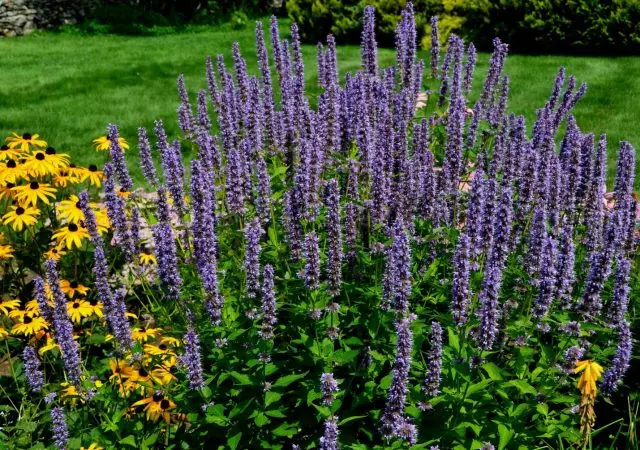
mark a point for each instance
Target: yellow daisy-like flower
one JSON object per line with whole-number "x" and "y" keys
{"x": 158, "y": 350}
{"x": 78, "y": 310}
{"x": 32, "y": 305}
{"x": 30, "y": 326}
{"x": 71, "y": 288}
{"x": 102, "y": 219}
{"x": 120, "y": 370}
{"x": 8, "y": 305}
{"x": 6, "y": 252}
{"x": 103, "y": 143}
{"x": 43, "y": 163}
{"x": 157, "y": 406}
{"x": 175, "y": 342}
{"x": 71, "y": 235}
{"x": 97, "y": 307}
{"x": 55, "y": 253}
{"x": 591, "y": 372}
{"x": 19, "y": 217}
{"x": 25, "y": 142}
{"x": 7, "y": 152}
{"x": 69, "y": 210}
{"x": 144, "y": 334}
{"x": 50, "y": 345}
{"x": 146, "y": 257}
{"x": 93, "y": 446}
{"x": 3, "y": 333}
{"x": 34, "y": 191}
{"x": 162, "y": 374}
{"x": 63, "y": 178}
{"x": 20, "y": 314}
{"x": 92, "y": 174}
{"x": 70, "y": 394}
{"x": 122, "y": 192}
{"x": 6, "y": 191}
{"x": 12, "y": 172}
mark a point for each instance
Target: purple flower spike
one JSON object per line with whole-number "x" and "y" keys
{"x": 192, "y": 359}
{"x": 311, "y": 271}
{"x": 59, "y": 428}
{"x": 33, "y": 368}
{"x": 548, "y": 274}
{"x": 369, "y": 46}
{"x": 435, "y": 46}
{"x": 117, "y": 156}
{"x": 329, "y": 388}
{"x": 252, "y": 235}
{"x": 620, "y": 301}
{"x": 460, "y": 294}
{"x": 269, "y": 318}
{"x": 469, "y": 68}
{"x": 146, "y": 161}
{"x": 434, "y": 362}
{"x": 329, "y": 440}
{"x": 612, "y": 377}
{"x": 334, "y": 233}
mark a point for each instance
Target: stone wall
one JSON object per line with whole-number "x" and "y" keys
{"x": 18, "y": 17}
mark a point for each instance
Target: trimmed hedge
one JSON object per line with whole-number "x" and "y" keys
{"x": 537, "y": 26}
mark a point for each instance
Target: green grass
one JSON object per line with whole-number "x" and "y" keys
{"x": 68, "y": 87}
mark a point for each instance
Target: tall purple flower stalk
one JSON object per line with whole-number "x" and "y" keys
{"x": 548, "y": 278}
{"x": 329, "y": 440}
{"x": 469, "y": 68}
{"x": 146, "y": 161}
{"x": 269, "y": 318}
{"x": 192, "y": 359}
{"x": 116, "y": 210}
{"x": 311, "y": 271}
{"x": 334, "y": 236}
{"x": 171, "y": 159}
{"x": 435, "y": 46}
{"x": 252, "y": 235}
{"x": 62, "y": 326}
{"x": 329, "y": 388}
{"x": 460, "y": 293}
{"x": 33, "y": 368}
{"x": 117, "y": 156}
{"x": 166, "y": 249}
{"x": 434, "y": 362}
{"x": 394, "y": 422}
{"x": 59, "y": 428}
{"x": 40, "y": 294}
{"x": 566, "y": 262}
{"x": 398, "y": 270}
{"x": 369, "y": 46}
{"x": 185, "y": 112}
{"x": 619, "y": 303}
{"x": 612, "y": 377}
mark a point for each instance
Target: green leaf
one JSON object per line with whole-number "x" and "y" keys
{"x": 350, "y": 419}
{"x": 286, "y": 430}
{"x": 288, "y": 379}
{"x": 523, "y": 386}
{"x": 492, "y": 370}
{"x": 234, "y": 440}
{"x": 271, "y": 397}
{"x": 505, "y": 435}
{"x": 275, "y": 413}
{"x": 480, "y": 386}
{"x": 241, "y": 378}
{"x": 129, "y": 440}
{"x": 261, "y": 420}
{"x": 454, "y": 342}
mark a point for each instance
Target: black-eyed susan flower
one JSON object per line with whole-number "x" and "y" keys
{"x": 78, "y": 310}
{"x": 102, "y": 219}
{"x": 162, "y": 374}
{"x": 20, "y": 216}
{"x": 156, "y": 406}
{"x": 92, "y": 174}
{"x": 103, "y": 143}
{"x": 59, "y": 160}
{"x": 30, "y": 326}
{"x": 69, "y": 210}
{"x": 63, "y": 178}
{"x": 3, "y": 333}
{"x": 146, "y": 257}
{"x": 49, "y": 345}
{"x": 6, "y": 191}
{"x": 25, "y": 142}
{"x": 12, "y": 172}
{"x": 70, "y": 394}
{"x": 93, "y": 446}
{"x": 144, "y": 334}
{"x": 122, "y": 192}
{"x": 174, "y": 342}
{"x": 97, "y": 307}
{"x": 55, "y": 253}
{"x": 158, "y": 350}
{"x": 71, "y": 235}
{"x": 7, "y": 306}
{"x": 120, "y": 369}
{"x": 6, "y": 252}
{"x": 20, "y": 314}
{"x": 72, "y": 288}
{"x": 7, "y": 152}
{"x": 40, "y": 164}
{"x": 29, "y": 194}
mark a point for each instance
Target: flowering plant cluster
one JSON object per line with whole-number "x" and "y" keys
{"x": 393, "y": 267}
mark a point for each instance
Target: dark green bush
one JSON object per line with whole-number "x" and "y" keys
{"x": 578, "y": 26}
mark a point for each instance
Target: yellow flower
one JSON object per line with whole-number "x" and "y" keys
{"x": 156, "y": 407}
{"x": 102, "y": 219}
{"x": 591, "y": 372}
{"x": 97, "y": 307}
{"x": 25, "y": 142}
{"x": 143, "y": 334}
{"x": 146, "y": 257}
{"x": 120, "y": 370}
{"x": 20, "y": 314}
{"x": 158, "y": 350}
{"x": 93, "y": 446}
{"x": 70, "y": 394}
{"x": 7, "y": 152}
{"x": 78, "y": 310}
{"x": 63, "y": 178}
{"x": 12, "y": 172}
{"x": 71, "y": 288}
{"x": 43, "y": 163}
{"x": 6, "y": 252}
{"x": 30, "y": 325}
{"x": 8, "y": 305}
{"x": 19, "y": 217}
{"x": 103, "y": 143}
{"x": 55, "y": 253}
{"x": 3, "y": 333}
{"x": 6, "y": 190}
{"x": 162, "y": 375}
{"x": 122, "y": 192}
{"x": 71, "y": 235}
{"x": 94, "y": 175}
{"x": 69, "y": 210}
{"x": 34, "y": 191}
{"x": 50, "y": 345}
{"x": 175, "y": 342}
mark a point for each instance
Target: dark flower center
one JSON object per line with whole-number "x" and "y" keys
{"x": 34, "y": 185}
{"x": 26, "y": 136}
{"x": 123, "y": 190}
{"x": 73, "y": 285}
{"x": 93, "y": 168}
{"x": 142, "y": 330}
{"x": 50, "y": 151}
{"x": 73, "y": 166}
{"x": 4, "y": 147}
{"x": 73, "y": 227}
{"x": 162, "y": 347}
{"x": 11, "y": 164}
{"x": 28, "y": 320}
{"x": 164, "y": 404}
{"x": 142, "y": 372}
{"x": 19, "y": 210}
{"x": 158, "y": 396}
{"x": 76, "y": 305}
{"x": 54, "y": 251}
{"x": 63, "y": 173}
{"x": 78, "y": 205}
{"x": 40, "y": 156}
{"x": 93, "y": 302}
{"x": 10, "y": 185}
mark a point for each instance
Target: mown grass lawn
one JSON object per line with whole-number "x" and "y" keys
{"x": 68, "y": 87}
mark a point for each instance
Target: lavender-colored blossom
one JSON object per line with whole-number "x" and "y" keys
{"x": 252, "y": 235}
{"x": 311, "y": 270}
{"x": 548, "y": 278}
{"x": 398, "y": 270}
{"x": 460, "y": 294}
{"x": 612, "y": 377}
{"x": 571, "y": 357}
{"x": 117, "y": 156}
{"x": 146, "y": 161}
{"x": 116, "y": 210}
{"x": 369, "y": 46}
{"x": 212, "y": 84}
{"x": 40, "y": 294}
{"x": 171, "y": 159}
{"x": 203, "y": 113}
{"x": 33, "y": 368}
{"x": 269, "y": 318}
{"x": 625, "y": 176}
{"x": 59, "y": 428}
{"x": 488, "y": 446}
{"x": 334, "y": 236}
{"x": 537, "y": 235}
{"x": 263, "y": 199}
{"x": 619, "y": 303}
{"x": 474, "y": 222}
{"x": 496, "y": 64}
{"x": 566, "y": 262}
{"x": 557, "y": 87}
{"x": 351, "y": 211}
{"x": 329, "y": 388}
{"x": 435, "y": 46}
{"x": 469, "y": 68}
{"x": 192, "y": 359}
{"x": 166, "y": 254}
{"x": 62, "y": 325}
{"x": 185, "y": 113}
{"x": 235, "y": 183}
{"x": 434, "y": 362}
{"x": 329, "y": 440}
{"x": 393, "y": 418}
